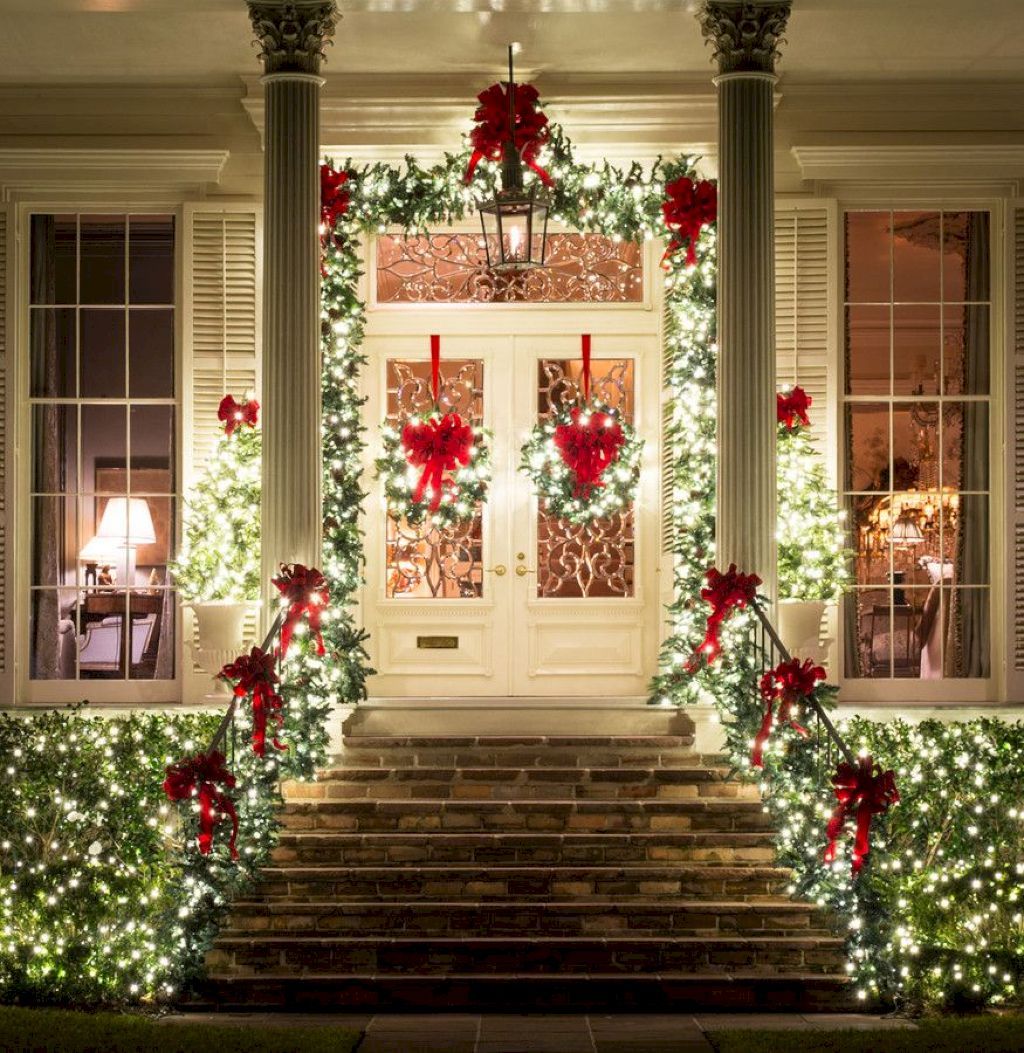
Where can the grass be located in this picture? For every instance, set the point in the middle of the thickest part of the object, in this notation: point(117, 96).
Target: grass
point(981, 1034)
point(64, 1031)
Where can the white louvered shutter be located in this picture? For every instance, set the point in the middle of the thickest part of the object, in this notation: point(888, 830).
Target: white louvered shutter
point(6, 472)
point(1014, 540)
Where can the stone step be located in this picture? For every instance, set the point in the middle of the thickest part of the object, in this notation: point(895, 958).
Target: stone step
point(671, 917)
point(374, 816)
point(522, 883)
point(534, 847)
point(433, 955)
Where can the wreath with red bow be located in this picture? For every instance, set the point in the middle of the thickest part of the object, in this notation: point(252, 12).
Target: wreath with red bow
point(584, 459)
point(436, 467)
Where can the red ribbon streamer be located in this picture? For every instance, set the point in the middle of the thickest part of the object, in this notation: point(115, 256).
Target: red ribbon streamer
point(257, 676)
point(334, 202)
point(725, 592)
point(307, 593)
point(791, 409)
point(435, 366)
point(864, 791)
point(205, 776)
point(437, 445)
point(588, 447)
point(788, 683)
point(491, 133)
point(235, 414)
point(688, 206)
point(585, 341)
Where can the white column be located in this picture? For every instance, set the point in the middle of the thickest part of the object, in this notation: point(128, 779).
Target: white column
point(745, 37)
point(291, 37)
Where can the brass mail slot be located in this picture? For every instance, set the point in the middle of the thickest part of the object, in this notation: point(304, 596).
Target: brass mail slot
point(437, 643)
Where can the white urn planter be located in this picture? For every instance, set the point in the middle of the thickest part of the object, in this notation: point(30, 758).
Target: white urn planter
point(220, 626)
point(800, 627)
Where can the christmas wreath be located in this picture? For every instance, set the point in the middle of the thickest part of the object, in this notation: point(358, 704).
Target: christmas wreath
point(584, 460)
point(434, 467)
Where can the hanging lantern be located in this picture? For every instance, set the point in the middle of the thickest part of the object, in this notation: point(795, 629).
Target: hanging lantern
point(515, 219)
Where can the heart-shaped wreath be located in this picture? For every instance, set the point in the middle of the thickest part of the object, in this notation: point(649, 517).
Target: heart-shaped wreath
point(584, 460)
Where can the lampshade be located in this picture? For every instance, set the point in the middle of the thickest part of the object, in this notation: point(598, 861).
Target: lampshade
point(905, 531)
point(126, 522)
point(100, 550)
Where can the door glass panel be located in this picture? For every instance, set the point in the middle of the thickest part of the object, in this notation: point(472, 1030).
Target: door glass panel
point(597, 559)
point(421, 560)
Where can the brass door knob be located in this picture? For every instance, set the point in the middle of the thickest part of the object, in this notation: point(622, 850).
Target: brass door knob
point(499, 571)
point(522, 570)
point(520, 555)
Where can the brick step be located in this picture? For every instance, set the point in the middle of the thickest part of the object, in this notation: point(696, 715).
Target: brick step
point(675, 917)
point(669, 991)
point(433, 955)
point(582, 883)
point(523, 783)
point(535, 847)
point(549, 816)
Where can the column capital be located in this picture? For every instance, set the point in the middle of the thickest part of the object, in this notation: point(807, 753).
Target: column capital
point(292, 36)
point(745, 35)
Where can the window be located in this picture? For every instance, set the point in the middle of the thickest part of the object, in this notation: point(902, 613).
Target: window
point(103, 451)
point(916, 413)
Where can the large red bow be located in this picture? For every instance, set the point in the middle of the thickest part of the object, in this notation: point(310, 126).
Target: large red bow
point(725, 592)
point(437, 445)
point(235, 414)
point(687, 208)
point(334, 201)
point(864, 790)
point(491, 133)
point(791, 409)
point(204, 776)
point(257, 676)
point(788, 683)
point(588, 445)
point(307, 593)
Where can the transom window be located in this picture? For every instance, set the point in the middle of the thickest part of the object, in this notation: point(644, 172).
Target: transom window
point(916, 411)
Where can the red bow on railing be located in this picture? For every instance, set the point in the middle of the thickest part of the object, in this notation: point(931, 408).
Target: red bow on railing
point(687, 208)
point(587, 446)
point(864, 791)
point(788, 683)
point(725, 592)
point(235, 414)
point(491, 133)
point(307, 593)
point(204, 776)
point(791, 409)
point(436, 445)
point(334, 201)
point(255, 674)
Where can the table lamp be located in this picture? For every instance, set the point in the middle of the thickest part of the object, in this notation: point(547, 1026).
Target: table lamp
point(126, 524)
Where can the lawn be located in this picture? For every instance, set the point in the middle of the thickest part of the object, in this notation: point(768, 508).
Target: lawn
point(63, 1031)
point(981, 1034)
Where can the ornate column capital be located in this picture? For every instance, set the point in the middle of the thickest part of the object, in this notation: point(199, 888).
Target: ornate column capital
point(292, 36)
point(745, 35)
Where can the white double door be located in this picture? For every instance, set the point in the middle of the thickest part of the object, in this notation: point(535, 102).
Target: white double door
point(513, 603)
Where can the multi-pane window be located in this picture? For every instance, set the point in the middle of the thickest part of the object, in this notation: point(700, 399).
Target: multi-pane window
point(103, 456)
point(916, 413)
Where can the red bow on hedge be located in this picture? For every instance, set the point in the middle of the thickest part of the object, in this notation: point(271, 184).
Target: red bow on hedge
point(235, 414)
point(791, 409)
point(687, 208)
point(257, 676)
point(204, 776)
point(437, 445)
point(307, 593)
point(491, 133)
point(334, 201)
point(725, 592)
point(788, 683)
point(588, 446)
point(864, 791)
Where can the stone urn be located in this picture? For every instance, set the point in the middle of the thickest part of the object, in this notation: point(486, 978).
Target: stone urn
point(800, 627)
point(220, 627)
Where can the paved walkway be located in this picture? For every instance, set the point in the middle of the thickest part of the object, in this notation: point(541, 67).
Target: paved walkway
point(494, 1033)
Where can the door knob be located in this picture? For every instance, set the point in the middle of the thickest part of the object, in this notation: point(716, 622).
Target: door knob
point(522, 570)
point(520, 555)
point(500, 570)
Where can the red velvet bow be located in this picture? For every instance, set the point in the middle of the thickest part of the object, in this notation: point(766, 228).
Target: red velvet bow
point(204, 776)
point(491, 133)
point(437, 445)
point(791, 409)
point(588, 446)
point(307, 593)
point(235, 414)
point(788, 683)
point(687, 208)
point(725, 592)
point(257, 676)
point(334, 201)
point(864, 790)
